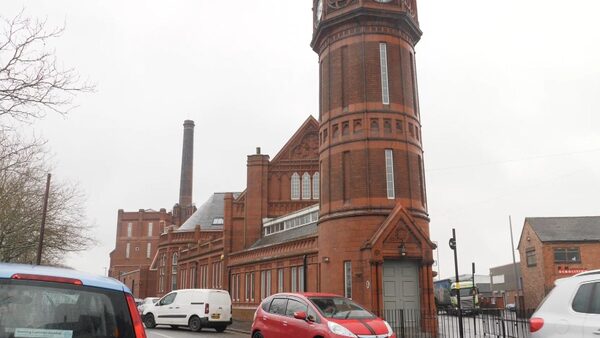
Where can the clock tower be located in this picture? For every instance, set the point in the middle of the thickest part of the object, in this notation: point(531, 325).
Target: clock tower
point(374, 244)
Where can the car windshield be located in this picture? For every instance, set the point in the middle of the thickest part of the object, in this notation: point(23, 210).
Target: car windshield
point(60, 310)
point(464, 292)
point(340, 308)
point(150, 300)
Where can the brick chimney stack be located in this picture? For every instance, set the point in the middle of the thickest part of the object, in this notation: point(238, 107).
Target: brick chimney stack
point(187, 165)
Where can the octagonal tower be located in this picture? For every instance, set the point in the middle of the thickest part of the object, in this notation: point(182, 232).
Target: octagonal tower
point(374, 225)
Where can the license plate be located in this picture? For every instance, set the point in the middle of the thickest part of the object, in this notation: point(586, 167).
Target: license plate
point(215, 316)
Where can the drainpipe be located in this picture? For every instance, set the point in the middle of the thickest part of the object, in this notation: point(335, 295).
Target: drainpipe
point(305, 275)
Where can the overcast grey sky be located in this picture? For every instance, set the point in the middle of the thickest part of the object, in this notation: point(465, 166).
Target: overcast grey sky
point(509, 97)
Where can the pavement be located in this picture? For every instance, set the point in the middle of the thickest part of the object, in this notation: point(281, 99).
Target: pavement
point(240, 326)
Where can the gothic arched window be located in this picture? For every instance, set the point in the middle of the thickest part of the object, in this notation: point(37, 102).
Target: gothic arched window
point(306, 186)
point(295, 186)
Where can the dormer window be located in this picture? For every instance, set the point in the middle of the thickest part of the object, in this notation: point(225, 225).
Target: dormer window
point(218, 221)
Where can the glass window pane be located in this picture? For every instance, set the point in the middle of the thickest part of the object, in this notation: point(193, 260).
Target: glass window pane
point(581, 302)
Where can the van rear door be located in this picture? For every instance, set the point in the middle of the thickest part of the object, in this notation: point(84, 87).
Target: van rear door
point(219, 308)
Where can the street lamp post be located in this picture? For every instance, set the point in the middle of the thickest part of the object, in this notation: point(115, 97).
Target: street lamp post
point(452, 244)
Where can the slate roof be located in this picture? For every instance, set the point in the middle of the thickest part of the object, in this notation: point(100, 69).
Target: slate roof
point(286, 236)
point(566, 229)
point(213, 208)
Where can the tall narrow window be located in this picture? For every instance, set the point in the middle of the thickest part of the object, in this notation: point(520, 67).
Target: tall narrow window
point(301, 279)
point(279, 280)
point(127, 250)
point(315, 184)
point(295, 186)
point(348, 279)
point(346, 167)
point(421, 181)
point(148, 250)
point(294, 278)
point(129, 229)
point(250, 286)
point(193, 276)
point(413, 78)
point(385, 90)
point(306, 186)
point(174, 272)
point(389, 173)
point(150, 226)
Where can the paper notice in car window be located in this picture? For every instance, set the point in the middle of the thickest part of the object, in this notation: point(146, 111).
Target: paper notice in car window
point(42, 333)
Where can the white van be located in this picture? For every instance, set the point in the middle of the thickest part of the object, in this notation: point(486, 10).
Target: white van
point(195, 308)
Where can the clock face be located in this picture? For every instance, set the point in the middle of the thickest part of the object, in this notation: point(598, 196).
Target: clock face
point(319, 10)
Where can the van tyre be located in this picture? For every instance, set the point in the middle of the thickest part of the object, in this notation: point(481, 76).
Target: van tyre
point(257, 334)
point(195, 324)
point(149, 321)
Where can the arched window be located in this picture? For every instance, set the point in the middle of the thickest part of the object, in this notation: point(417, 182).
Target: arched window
point(295, 186)
point(306, 186)
point(316, 178)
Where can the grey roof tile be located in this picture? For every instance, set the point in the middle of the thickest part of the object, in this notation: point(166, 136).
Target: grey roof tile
point(566, 229)
point(213, 208)
point(286, 236)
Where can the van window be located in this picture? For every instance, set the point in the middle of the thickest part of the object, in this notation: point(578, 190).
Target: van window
point(168, 299)
point(278, 306)
point(294, 306)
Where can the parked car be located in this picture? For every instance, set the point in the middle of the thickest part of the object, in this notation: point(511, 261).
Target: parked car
point(571, 309)
point(146, 302)
point(41, 301)
point(194, 308)
point(307, 315)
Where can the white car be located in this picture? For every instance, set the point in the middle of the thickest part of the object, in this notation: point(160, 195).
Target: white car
point(194, 308)
point(571, 309)
point(146, 302)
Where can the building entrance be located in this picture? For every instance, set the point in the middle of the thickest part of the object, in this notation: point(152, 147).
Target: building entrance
point(401, 295)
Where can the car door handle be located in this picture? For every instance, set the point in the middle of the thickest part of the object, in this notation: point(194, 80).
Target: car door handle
point(170, 307)
point(597, 332)
point(177, 307)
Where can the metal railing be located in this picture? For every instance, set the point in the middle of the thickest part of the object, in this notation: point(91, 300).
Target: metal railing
point(493, 323)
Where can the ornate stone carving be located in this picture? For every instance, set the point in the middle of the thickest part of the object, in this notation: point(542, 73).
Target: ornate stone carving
point(308, 147)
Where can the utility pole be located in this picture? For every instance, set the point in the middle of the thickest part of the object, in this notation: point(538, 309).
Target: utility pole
point(43, 226)
point(452, 244)
point(512, 244)
point(474, 299)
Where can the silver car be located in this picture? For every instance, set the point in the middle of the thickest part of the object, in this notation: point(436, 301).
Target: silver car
point(571, 309)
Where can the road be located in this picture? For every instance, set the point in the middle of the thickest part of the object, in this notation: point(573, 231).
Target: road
point(166, 332)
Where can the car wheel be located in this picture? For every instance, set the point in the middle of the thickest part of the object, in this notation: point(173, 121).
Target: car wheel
point(149, 321)
point(195, 324)
point(220, 328)
point(257, 334)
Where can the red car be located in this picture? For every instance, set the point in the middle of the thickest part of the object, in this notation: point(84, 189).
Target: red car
point(309, 315)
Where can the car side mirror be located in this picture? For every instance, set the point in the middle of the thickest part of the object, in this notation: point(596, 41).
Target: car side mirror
point(300, 315)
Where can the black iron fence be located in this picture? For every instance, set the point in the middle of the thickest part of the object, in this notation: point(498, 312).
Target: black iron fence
point(493, 323)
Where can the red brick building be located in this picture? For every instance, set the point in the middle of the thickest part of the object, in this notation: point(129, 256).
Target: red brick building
point(553, 248)
point(342, 207)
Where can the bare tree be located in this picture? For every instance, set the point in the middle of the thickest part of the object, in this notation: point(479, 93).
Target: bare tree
point(22, 186)
point(31, 82)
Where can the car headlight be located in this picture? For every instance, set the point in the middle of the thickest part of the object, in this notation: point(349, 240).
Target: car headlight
point(340, 330)
point(390, 331)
